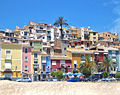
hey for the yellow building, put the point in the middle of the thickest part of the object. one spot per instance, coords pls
(107, 36)
(78, 56)
(74, 31)
(93, 36)
(36, 64)
(11, 60)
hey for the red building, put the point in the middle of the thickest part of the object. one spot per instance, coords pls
(61, 63)
(99, 54)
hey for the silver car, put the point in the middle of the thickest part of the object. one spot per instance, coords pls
(24, 80)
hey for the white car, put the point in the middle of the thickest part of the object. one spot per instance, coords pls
(24, 80)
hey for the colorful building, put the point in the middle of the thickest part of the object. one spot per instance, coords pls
(11, 60)
(113, 53)
(108, 36)
(26, 61)
(61, 63)
(36, 65)
(78, 56)
(93, 36)
(45, 66)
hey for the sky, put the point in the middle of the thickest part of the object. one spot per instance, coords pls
(100, 15)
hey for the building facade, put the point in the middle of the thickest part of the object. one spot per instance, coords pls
(36, 65)
(45, 66)
(11, 60)
(26, 61)
(61, 63)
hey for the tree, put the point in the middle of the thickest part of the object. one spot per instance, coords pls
(117, 75)
(89, 65)
(105, 74)
(53, 74)
(60, 22)
(59, 74)
(106, 64)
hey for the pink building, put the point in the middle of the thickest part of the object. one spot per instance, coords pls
(61, 63)
(26, 61)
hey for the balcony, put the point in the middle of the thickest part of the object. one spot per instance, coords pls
(43, 61)
(35, 72)
(113, 55)
(8, 66)
(8, 57)
(35, 65)
(113, 60)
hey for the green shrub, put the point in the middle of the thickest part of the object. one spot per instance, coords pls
(86, 72)
(117, 75)
(59, 74)
(53, 74)
(105, 74)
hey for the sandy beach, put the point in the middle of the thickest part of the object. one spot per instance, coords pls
(59, 88)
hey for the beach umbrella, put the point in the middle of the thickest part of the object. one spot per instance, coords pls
(80, 73)
(64, 74)
(69, 73)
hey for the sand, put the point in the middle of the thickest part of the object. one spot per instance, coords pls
(59, 88)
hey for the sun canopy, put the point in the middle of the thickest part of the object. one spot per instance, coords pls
(69, 73)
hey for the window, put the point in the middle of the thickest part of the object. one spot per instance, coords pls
(35, 62)
(44, 58)
(26, 59)
(94, 33)
(54, 69)
(35, 55)
(64, 48)
(43, 37)
(82, 56)
(25, 33)
(26, 68)
(26, 50)
(8, 52)
(53, 62)
(75, 63)
(62, 62)
(48, 32)
(69, 66)
(94, 38)
(91, 58)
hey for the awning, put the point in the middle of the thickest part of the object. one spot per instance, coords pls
(8, 71)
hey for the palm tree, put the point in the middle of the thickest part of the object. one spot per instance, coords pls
(60, 22)
(107, 63)
(89, 65)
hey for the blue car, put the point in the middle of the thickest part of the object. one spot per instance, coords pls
(74, 79)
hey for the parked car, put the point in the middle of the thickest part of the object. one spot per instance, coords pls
(118, 79)
(108, 79)
(74, 79)
(24, 80)
(5, 78)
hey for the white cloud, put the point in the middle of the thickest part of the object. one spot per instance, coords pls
(116, 10)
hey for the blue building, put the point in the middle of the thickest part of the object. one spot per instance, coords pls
(45, 67)
(114, 56)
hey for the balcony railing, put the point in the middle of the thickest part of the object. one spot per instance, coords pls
(35, 65)
(43, 61)
(8, 66)
(35, 71)
(8, 57)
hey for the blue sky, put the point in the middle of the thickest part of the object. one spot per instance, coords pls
(100, 15)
